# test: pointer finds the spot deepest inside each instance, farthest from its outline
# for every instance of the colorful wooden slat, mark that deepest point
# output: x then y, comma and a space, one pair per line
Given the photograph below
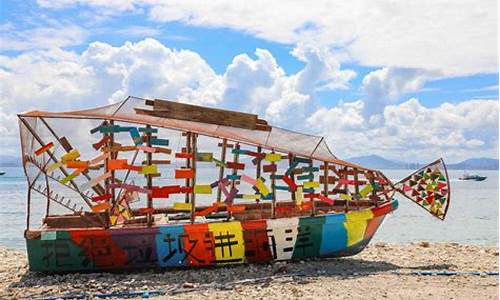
204, 156
269, 168
148, 130
230, 196
331, 179
233, 177
299, 195
305, 177
77, 164
291, 168
101, 197
184, 155
129, 187
282, 187
351, 182
149, 169
101, 142
290, 182
236, 208
44, 149
94, 181
184, 173
235, 165
116, 164
366, 190
325, 199
51, 168
136, 137
146, 210
182, 206
71, 176
251, 196
132, 168
101, 207
310, 169
272, 157
159, 142
72, 155
219, 163
262, 187
302, 160
202, 189
311, 184
248, 179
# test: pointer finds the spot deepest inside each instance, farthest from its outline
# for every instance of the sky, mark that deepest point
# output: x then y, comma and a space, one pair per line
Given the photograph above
408, 80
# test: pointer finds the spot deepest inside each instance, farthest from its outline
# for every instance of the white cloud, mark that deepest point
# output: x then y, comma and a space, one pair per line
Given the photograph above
453, 37
410, 131
386, 85
41, 37
103, 73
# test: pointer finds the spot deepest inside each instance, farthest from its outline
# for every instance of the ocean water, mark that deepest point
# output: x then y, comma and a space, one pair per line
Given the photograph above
472, 217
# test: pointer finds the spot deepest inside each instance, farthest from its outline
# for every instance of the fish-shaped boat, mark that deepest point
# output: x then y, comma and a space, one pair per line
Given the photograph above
153, 183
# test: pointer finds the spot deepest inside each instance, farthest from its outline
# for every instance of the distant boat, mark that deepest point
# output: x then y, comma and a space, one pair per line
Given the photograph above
472, 177
2, 173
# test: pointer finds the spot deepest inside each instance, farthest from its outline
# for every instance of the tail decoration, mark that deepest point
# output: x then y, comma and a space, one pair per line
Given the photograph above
429, 187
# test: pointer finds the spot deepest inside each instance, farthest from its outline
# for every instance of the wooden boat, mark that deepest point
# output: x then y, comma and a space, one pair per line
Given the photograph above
167, 185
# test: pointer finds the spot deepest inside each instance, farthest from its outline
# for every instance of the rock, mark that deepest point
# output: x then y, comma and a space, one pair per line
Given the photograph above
188, 285
424, 244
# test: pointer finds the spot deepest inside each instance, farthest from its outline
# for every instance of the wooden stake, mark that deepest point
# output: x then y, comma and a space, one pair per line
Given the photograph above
188, 162
356, 188
221, 168
311, 173
48, 198
325, 176
149, 178
193, 195
273, 190
292, 176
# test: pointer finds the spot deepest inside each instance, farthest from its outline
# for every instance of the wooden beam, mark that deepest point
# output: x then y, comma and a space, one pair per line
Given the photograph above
149, 178
221, 168
189, 112
193, 195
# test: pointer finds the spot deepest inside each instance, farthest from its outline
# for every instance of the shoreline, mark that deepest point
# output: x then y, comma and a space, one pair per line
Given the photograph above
382, 270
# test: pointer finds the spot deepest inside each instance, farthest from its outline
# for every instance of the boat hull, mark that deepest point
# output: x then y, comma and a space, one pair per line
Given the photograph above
207, 244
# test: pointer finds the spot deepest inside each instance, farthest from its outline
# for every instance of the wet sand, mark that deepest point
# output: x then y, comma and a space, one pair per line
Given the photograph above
381, 271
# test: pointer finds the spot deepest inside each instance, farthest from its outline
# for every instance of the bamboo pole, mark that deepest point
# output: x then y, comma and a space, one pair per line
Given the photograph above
193, 195
149, 178
221, 168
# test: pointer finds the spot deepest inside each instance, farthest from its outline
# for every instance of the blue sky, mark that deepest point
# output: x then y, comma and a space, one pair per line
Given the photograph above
348, 69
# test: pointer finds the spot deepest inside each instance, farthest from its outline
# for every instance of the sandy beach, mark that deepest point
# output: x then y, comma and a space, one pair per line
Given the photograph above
381, 271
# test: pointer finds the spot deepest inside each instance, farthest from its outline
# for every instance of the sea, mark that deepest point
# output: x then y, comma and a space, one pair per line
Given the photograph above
472, 216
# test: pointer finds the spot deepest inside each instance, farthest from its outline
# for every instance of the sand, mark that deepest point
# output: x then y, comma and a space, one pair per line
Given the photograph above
381, 271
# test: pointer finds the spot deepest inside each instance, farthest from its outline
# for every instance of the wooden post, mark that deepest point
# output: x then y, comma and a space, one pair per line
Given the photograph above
28, 210
236, 159
47, 209
108, 180
273, 190
344, 175
113, 155
325, 176
356, 188
193, 195
221, 168
311, 173
188, 162
292, 176
149, 178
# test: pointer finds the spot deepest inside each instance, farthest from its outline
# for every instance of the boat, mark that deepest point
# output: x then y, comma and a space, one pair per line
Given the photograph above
474, 177
151, 183
2, 173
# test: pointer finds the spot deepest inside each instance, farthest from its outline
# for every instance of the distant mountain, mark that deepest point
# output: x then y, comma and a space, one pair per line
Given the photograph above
482, 163
10, 161
378, 162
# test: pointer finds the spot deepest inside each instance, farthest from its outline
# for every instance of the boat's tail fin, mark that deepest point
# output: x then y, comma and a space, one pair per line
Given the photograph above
429, 187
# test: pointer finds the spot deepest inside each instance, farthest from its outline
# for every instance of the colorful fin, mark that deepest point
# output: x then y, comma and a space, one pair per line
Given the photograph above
429, 187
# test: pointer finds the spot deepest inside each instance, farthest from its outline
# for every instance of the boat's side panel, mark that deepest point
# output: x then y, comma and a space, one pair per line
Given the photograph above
210, 244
